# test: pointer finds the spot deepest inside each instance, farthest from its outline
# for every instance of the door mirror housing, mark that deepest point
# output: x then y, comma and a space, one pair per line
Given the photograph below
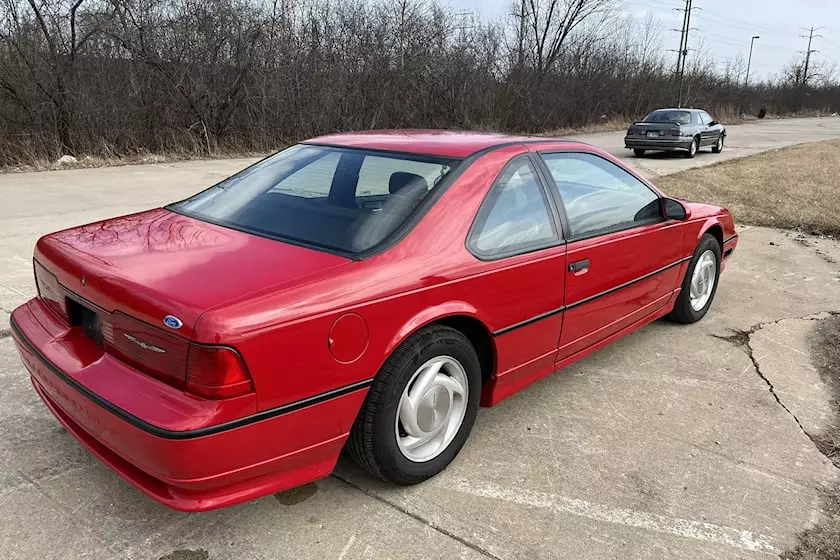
714, 123
675, 210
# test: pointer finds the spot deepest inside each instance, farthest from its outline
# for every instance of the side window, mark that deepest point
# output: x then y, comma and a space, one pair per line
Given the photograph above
599, 196
515, 217
705, 117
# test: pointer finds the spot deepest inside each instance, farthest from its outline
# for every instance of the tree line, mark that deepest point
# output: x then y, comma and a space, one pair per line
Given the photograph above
118, 77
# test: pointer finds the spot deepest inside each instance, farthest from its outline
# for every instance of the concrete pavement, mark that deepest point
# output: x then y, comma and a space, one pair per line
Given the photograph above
676, 442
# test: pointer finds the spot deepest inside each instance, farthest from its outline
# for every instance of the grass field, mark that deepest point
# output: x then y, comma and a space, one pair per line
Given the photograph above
793, 188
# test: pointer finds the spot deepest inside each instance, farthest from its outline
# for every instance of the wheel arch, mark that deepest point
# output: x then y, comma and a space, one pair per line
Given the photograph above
462, 317
715, 230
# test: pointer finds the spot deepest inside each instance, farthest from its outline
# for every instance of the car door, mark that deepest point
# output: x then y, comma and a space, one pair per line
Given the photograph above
518, 235
708, 132
623, 256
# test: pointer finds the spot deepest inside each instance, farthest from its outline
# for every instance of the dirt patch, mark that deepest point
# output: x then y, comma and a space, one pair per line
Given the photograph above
822, 542
791, 188
825, 353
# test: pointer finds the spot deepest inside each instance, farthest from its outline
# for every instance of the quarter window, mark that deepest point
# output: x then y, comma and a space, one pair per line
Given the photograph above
515, 217
599, 196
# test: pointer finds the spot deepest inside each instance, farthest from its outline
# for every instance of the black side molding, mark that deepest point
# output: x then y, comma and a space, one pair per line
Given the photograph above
199, 432
547, 314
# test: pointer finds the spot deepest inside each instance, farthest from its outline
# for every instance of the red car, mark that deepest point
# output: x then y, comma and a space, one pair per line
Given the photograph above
365, 292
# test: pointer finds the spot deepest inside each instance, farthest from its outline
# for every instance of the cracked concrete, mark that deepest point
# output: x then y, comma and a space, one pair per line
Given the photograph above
666, 445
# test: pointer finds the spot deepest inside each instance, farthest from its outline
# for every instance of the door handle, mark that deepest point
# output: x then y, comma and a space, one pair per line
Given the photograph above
579, 266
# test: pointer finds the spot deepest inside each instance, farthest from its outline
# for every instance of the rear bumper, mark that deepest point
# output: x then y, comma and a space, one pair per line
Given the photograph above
658, 144
188, 470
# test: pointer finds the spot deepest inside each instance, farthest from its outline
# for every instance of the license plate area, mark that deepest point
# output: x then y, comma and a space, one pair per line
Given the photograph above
653, 134
87, 319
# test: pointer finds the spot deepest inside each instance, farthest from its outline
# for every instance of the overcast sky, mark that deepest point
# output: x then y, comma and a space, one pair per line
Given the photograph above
725, 26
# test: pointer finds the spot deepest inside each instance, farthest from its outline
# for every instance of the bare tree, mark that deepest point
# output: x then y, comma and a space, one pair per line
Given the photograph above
551, 23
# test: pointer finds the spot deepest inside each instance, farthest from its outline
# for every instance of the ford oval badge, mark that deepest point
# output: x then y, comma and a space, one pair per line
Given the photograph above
172, 322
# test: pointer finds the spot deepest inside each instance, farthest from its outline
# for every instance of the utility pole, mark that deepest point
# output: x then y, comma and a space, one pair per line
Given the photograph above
808, 53
682, 37
684, 52
749, 61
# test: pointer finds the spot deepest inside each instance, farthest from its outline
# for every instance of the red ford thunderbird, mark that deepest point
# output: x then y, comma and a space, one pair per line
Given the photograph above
365, 292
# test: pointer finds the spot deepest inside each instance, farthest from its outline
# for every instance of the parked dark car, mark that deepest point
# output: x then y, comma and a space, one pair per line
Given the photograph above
673, 130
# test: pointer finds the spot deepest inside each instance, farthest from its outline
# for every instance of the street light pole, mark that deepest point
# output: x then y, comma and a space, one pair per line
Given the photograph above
749, 61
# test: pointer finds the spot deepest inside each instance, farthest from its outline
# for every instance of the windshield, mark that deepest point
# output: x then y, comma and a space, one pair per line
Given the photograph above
675, 117
346, 200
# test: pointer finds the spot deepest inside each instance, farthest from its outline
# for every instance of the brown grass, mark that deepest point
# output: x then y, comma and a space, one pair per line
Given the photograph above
792, 188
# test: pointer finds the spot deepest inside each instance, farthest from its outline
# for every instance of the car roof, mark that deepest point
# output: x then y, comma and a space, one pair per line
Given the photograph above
689, 109
441, 143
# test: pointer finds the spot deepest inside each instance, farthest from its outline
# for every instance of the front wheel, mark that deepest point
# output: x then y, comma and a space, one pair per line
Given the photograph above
420, 408
718, 147
700, 283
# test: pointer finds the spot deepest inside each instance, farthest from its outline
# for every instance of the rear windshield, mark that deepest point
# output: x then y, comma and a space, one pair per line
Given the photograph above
338, 199
675, 117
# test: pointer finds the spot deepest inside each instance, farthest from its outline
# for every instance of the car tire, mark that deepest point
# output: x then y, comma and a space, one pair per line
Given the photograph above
693, 149
718, 147
694, 301
639, 152
379, 441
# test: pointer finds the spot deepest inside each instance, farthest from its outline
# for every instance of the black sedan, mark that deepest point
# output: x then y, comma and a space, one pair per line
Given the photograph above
672, 130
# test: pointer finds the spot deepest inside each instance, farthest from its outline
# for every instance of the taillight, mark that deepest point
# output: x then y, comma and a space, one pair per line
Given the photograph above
50, 291
216, 372
154, 351
672, 133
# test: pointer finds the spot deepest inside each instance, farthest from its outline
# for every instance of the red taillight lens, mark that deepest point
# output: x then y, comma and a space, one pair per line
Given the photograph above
672, 133
216, 372
154, 351
50, 292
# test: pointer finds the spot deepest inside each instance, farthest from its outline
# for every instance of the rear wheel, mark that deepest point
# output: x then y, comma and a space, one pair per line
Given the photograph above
692, 150
420, 408
639, 152
700, 283
718, 147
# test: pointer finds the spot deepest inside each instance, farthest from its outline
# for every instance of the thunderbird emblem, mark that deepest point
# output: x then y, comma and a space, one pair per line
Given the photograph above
144, 345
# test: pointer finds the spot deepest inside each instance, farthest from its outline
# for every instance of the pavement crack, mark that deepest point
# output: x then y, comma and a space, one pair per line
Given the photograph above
5, 333
742, 338
427, 522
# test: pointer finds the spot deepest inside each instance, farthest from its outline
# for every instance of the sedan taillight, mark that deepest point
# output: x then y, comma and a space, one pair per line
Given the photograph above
216, 372
50, 291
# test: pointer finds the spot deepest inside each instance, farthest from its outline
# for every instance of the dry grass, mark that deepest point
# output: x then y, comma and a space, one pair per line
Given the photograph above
792, 188
87, 162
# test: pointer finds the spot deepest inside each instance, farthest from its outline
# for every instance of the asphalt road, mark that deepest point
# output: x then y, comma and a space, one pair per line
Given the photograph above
669, 444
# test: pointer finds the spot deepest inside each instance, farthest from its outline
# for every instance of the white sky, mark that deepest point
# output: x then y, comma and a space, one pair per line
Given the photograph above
726, 26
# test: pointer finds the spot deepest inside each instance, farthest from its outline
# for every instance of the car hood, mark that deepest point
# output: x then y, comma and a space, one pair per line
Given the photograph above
159, 263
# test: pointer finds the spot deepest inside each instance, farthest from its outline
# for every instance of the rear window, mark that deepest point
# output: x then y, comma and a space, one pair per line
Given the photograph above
345, 200
675, 117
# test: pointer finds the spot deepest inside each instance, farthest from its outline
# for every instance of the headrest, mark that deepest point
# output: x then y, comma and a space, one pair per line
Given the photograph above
401, 179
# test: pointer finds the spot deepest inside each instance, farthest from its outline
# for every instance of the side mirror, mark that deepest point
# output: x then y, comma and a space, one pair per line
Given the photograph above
714, 123
675, 210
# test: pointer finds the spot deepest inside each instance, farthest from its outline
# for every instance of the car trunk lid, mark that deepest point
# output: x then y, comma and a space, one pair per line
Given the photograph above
136, 285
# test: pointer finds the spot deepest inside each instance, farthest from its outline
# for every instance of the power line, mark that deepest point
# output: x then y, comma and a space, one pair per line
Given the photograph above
808, 53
